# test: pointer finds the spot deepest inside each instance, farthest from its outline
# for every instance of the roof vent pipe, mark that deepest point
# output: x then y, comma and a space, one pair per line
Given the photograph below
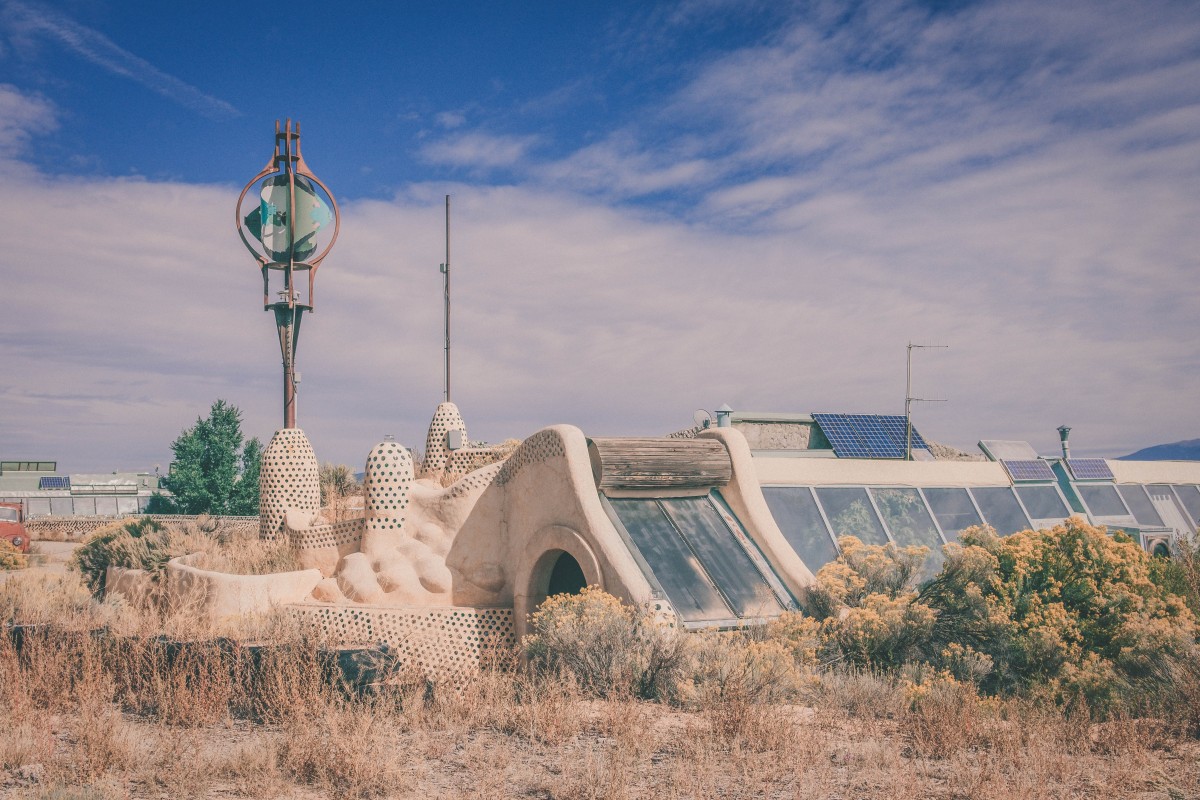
1063, 432
724, 413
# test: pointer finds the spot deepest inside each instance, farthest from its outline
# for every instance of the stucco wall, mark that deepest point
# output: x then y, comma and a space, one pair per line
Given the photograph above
1156, 471
863, 472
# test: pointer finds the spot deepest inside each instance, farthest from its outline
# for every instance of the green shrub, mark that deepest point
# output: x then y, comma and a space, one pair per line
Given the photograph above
1070, 611
1180, 573
609, 648
1069, 615
733, 667
11, 557
148, 545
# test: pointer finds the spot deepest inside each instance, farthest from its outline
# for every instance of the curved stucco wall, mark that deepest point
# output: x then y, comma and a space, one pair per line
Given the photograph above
745, 498
220, 594
543, 498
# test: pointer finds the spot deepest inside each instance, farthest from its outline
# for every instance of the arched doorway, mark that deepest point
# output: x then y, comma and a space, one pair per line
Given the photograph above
566, 576
1161, 550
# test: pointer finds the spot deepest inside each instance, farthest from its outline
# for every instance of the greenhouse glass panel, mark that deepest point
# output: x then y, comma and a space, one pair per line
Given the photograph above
1190, 497
1139, 503
906, 517
800, 521
850, 514
1000, 509
1043, 502
722, 556
1102, 500
670, 559
953, 509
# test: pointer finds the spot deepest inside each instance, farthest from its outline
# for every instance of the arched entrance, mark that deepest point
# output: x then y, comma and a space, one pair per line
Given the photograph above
556, 560
1161, 550
566, 576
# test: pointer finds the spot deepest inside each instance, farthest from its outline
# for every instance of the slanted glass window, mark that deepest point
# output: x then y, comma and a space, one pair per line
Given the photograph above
8, 515
850, 514
800, 521
1143, 510
953, 509
697, 558
673, 563
1169, 507
1190, 497
1102, 500
723, 556
1042, 502
1000, 509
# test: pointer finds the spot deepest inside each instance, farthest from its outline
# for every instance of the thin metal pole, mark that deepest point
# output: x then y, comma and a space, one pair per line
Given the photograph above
909, 399
289, 354
446, 290
908, 407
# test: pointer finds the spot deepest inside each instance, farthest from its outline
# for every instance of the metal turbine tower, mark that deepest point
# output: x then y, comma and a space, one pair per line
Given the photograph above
285, 224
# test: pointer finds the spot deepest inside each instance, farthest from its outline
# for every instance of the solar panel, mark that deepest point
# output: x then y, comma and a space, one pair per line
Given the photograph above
1090, 469
867, 435
1028, 470
54, 482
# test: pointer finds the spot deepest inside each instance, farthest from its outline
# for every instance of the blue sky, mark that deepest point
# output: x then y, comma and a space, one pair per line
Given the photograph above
658, 208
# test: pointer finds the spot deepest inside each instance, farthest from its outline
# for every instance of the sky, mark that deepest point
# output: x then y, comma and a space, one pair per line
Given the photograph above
656, 208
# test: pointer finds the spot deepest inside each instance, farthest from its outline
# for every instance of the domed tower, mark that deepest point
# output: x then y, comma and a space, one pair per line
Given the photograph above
447, 424
289, 480
386, 481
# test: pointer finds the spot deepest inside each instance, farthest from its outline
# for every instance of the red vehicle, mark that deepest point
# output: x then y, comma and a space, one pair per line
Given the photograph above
12, 526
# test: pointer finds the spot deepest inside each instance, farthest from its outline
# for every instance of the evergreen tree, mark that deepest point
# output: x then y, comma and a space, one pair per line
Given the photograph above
213, 471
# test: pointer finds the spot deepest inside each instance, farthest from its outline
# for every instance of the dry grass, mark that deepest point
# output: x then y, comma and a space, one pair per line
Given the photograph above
131, 714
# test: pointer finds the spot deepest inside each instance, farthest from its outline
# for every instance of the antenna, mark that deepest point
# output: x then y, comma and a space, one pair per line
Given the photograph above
909, 399
446, 293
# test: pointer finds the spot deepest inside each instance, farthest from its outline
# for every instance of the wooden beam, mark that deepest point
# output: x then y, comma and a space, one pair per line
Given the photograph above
665, 463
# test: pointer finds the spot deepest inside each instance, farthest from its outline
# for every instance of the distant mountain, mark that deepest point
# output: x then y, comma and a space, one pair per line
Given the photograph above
1176, 451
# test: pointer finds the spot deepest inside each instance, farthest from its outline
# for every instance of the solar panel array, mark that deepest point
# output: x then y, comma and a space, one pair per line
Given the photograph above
1021, 470
1090, 469
867, 435
54, 482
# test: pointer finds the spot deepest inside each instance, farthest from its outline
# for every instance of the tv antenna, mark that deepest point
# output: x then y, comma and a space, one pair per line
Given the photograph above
909, 399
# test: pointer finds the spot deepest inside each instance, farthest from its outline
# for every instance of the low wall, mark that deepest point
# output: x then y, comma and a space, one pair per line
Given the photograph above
445, 642
220, 594
70, 529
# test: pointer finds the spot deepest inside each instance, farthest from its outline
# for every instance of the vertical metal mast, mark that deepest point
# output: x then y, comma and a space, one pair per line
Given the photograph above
446, 291
909, 399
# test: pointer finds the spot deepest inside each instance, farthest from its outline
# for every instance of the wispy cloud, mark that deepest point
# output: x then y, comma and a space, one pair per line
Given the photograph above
478, 150
23, 19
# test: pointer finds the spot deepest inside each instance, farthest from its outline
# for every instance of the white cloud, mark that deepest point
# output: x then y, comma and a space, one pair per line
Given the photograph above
478, 150
451, 119
939, 180
22, 116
